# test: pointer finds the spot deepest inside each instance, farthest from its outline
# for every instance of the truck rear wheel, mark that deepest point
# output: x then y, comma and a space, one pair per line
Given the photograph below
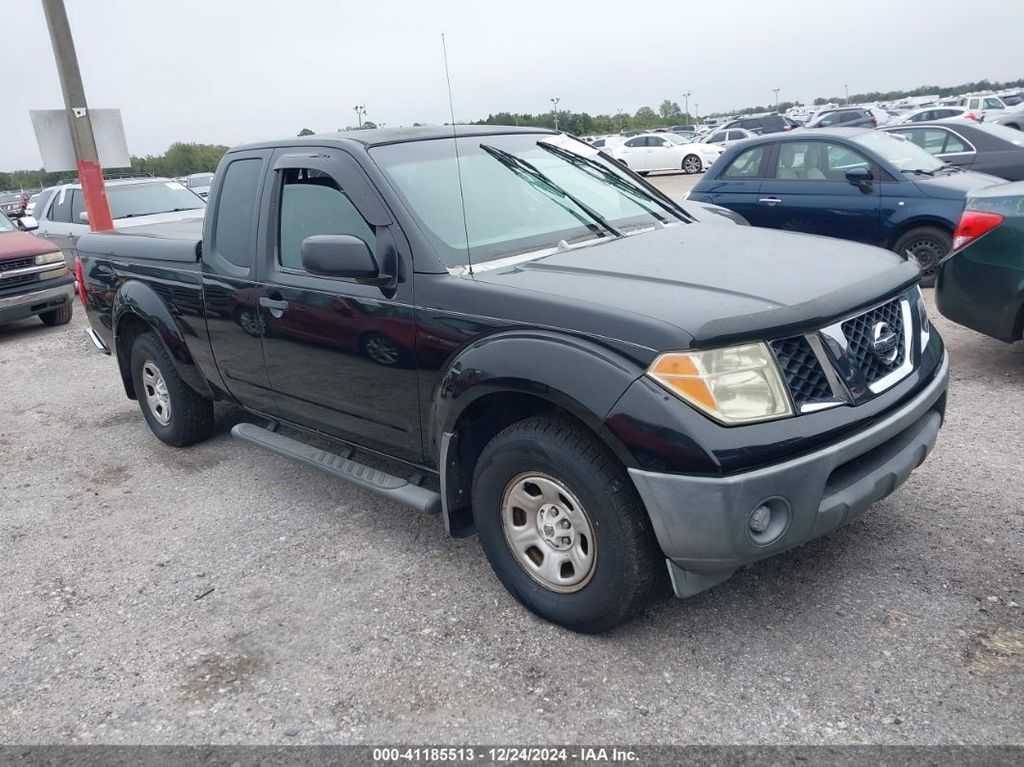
59, 316
563, 526
176, 414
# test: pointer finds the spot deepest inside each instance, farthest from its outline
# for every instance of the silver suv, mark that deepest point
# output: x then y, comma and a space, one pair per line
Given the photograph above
60, 210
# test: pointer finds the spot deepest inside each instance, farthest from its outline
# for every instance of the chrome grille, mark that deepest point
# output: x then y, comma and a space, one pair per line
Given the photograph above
858, 335
843, 363
802, 371
17, 263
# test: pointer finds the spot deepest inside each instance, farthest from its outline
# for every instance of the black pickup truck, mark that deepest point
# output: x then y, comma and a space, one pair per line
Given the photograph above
597, 380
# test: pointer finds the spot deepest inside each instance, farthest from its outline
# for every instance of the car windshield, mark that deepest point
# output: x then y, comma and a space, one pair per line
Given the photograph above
519, 196
904, 154
202, 179
5, 224
148, 199
675, 139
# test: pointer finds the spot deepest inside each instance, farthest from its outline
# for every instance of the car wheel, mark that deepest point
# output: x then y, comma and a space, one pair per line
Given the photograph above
176, 413
250, 321
925, 245
692, 164
562, 525
59, 316
382, 349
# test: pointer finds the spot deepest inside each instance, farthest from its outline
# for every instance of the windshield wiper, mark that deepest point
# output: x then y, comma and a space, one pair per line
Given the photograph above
519, 165
918, 171
583, 163
158, 212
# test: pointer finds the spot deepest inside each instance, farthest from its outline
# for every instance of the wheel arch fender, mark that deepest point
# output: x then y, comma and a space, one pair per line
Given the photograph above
924, 219
137, 308
514, 374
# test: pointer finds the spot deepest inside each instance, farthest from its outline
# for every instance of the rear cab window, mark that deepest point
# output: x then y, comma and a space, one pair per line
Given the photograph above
234, 232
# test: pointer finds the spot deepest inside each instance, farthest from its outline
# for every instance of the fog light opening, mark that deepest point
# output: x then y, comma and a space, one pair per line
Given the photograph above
768, 521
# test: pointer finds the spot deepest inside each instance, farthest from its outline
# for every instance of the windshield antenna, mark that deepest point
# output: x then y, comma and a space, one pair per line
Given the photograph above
455, 143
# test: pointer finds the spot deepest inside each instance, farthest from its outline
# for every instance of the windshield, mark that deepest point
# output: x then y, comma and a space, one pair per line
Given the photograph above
904, 154
676, 139
509, 209
201, 179
133, 200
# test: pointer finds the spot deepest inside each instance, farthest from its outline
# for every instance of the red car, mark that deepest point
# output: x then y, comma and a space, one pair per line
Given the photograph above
34, 279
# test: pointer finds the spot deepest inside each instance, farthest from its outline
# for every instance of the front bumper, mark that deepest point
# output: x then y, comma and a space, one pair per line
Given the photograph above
22, 305
704, 524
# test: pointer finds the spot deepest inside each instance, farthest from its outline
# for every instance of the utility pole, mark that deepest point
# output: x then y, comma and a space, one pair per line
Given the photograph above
696, 110
555, 101
847, 95
360, 111
776, 100
90, 173
686, 108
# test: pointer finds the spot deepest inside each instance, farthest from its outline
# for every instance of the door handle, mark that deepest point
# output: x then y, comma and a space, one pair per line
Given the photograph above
274, 306
769, 201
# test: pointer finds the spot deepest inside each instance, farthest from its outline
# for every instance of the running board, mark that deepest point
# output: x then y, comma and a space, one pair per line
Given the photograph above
376, 481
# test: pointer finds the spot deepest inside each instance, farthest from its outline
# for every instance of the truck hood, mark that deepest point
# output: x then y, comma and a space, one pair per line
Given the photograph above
14, 245
717, 283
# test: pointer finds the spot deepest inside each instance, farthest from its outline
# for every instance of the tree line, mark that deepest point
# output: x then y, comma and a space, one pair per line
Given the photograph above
182, 158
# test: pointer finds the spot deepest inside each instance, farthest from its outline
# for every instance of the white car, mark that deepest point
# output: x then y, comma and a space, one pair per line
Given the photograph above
725, 137
929, 114
607, 143
984, 107
665, 151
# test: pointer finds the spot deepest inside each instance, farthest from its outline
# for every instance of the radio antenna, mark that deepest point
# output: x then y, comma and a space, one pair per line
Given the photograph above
458, 162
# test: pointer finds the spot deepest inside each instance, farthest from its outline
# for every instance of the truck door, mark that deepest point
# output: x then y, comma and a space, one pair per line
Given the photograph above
340, 353
230, 292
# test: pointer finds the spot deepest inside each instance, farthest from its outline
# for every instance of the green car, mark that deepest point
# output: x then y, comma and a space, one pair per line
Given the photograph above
981, 283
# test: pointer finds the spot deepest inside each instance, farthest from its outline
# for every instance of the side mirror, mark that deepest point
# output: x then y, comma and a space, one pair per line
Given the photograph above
26, 224
666, 144
338, 255
859, 176
83, 217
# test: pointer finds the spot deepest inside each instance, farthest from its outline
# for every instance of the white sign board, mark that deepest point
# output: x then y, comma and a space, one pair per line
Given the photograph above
53, 135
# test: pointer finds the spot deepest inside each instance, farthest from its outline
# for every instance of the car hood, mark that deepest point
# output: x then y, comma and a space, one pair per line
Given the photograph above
954, 186
14, 245
160, 218
718, 284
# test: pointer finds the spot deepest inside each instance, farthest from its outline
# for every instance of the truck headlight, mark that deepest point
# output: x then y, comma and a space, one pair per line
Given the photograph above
50, 258
733, 385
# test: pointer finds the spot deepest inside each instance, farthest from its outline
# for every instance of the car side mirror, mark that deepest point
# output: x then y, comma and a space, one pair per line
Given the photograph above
26, 224
83, 217
666, 144
860, 176
338, 255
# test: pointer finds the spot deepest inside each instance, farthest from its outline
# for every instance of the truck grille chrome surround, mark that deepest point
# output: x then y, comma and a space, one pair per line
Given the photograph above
849, 361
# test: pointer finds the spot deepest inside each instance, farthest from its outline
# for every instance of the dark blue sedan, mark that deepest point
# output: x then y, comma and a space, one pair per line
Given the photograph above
855, 184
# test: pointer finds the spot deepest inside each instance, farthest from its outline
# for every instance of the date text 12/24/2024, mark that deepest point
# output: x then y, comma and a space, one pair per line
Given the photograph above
503, 754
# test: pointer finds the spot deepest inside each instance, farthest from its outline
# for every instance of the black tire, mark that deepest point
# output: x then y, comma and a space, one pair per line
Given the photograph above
189, 415
692, 164
927, 245
60, 316
628, 566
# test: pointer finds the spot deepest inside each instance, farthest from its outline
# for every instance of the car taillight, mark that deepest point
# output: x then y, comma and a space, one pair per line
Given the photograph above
973, 224
874, 122
80, 279
971, 116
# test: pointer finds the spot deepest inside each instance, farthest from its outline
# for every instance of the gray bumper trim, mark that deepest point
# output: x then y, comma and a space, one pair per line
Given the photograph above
702, 523
37, 296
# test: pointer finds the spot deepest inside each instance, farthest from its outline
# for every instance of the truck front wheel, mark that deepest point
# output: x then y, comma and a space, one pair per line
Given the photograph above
176, 414
563, 526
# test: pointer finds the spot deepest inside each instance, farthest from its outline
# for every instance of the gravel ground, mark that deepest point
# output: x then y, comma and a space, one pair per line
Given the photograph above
222, 594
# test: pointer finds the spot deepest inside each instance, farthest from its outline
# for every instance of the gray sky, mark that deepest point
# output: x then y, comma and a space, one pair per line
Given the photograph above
229, 71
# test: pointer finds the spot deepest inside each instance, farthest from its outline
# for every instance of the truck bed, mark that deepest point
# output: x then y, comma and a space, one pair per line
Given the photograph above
179, 241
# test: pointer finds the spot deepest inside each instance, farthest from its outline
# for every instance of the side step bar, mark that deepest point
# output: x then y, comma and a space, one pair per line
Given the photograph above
397, 489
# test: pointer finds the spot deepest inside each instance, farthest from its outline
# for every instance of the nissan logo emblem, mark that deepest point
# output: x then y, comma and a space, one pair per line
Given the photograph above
884, 343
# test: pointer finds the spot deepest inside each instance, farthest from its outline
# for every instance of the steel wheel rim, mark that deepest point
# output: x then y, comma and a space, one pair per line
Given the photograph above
549, 532
926, 253
157, 397
691, 164
382, 350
